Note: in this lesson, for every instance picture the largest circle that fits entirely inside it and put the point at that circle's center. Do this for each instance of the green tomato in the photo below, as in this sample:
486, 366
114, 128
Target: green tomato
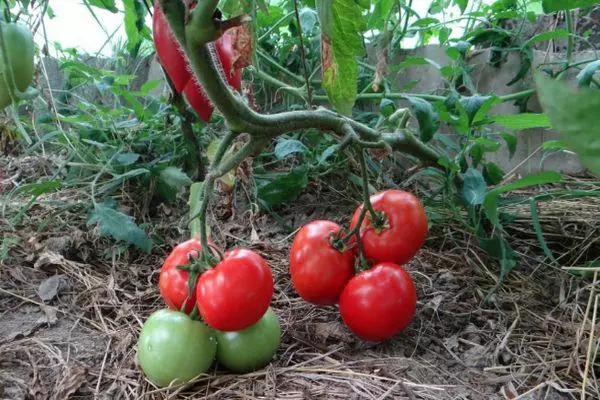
18, 43
251, 348
173, 348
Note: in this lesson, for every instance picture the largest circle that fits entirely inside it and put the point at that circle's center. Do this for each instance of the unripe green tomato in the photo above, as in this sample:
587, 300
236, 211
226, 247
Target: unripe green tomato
251, 348
18, 43
173, 348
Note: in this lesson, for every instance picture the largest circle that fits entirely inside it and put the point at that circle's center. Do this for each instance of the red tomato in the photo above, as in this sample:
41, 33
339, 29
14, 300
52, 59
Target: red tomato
319, 271
236, 292
176, 63
173, 282
378, 303
169, 53
404, 232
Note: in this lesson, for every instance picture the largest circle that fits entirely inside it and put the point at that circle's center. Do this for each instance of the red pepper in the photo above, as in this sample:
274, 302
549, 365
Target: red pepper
177, 66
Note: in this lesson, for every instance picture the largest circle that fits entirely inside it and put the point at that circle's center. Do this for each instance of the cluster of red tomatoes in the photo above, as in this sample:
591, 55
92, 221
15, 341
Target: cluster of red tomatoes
177, 66
379, 301
239, 329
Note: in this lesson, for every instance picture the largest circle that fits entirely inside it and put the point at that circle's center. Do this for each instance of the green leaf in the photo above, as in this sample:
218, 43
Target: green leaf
284, 188
522, 121
342, 25
429, 120
126, 158
381, 11
490, 202
119, 226
462, 5
574, 114
387, 107
537, 226
474, 187
545, 36
554, 145
174, 178
104, 4
498, 248
586, 74
285, 147
229, 178
492, 173
511, 143
134, 23
37, 189
558, 5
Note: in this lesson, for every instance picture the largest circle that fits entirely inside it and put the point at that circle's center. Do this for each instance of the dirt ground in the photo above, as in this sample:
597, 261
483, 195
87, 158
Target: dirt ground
72, 304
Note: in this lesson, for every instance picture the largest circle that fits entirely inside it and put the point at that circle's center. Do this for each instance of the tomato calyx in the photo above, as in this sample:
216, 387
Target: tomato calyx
379, 221
339, 241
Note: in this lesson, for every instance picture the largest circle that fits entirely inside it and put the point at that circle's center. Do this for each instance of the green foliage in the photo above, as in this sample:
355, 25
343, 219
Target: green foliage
119, 226
574, 113
558, 5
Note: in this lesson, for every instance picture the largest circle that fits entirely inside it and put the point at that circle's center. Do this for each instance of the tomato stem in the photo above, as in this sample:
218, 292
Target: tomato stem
376, 218
195, 314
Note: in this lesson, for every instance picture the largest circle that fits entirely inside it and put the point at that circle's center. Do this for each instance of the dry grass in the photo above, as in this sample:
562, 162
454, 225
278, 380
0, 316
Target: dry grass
535, 338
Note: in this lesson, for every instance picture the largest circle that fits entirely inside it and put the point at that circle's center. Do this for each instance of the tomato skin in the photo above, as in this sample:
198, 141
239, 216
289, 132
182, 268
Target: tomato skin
319, 272
176, 64
379, 302
251, 348
173, 282
407, 229
173, 347
169, 53
20, 50
236, 292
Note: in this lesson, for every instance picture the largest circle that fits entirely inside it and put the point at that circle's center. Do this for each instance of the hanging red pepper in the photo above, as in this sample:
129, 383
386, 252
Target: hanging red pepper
175, 62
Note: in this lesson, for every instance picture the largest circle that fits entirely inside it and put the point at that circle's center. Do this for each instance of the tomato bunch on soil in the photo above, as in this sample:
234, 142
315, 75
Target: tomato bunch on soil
216, 311
380, 300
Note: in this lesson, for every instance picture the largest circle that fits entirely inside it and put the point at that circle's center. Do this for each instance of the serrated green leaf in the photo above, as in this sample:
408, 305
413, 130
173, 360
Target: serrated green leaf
490, 203
558, 5
342, 25
174, 178
120, 226
429, 120
574, 114
474, 187
126, 158
554, 145
134, 22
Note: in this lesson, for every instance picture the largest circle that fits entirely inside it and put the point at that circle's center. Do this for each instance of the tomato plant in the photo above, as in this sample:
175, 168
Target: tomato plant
319, 271
403, 229
19, 47
173, 282
379, 302
251, 348
236, 292
172, 348
176, 64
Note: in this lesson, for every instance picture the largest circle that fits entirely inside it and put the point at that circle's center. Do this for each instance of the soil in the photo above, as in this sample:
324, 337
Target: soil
72, 304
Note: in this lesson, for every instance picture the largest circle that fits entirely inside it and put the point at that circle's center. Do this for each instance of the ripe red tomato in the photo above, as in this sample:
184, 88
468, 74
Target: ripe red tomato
404, 232
378, 303
173, 282
319, 271
236, 292
176, 63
